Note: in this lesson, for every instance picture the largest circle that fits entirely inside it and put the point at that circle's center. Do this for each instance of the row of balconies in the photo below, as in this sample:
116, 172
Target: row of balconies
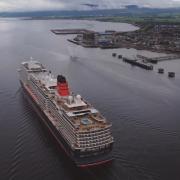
95, 140
63, 124
97, 148
94, 136
96, 133
67, 136
97, 144
66, 132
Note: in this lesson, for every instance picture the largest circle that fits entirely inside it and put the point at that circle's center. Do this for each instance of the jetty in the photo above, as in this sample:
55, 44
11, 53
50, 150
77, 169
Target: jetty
73, 41
139, 63
70, 31
155, 60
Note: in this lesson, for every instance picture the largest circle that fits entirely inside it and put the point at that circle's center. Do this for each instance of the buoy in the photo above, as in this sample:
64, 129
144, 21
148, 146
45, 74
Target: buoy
171, 74
120, 56
161, 71
114, 54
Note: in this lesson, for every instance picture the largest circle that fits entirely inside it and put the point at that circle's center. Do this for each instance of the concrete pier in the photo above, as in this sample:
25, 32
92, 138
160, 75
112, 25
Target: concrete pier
138, 63
69, 31
155, 60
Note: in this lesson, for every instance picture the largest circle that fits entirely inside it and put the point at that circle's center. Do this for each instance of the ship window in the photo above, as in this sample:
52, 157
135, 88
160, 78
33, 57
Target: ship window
52, 87
79, 112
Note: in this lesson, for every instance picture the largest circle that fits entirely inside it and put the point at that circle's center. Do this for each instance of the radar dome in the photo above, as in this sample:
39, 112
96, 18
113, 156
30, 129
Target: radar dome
78, 96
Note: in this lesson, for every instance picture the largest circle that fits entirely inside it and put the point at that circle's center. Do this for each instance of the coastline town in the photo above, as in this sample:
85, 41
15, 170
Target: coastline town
157, 38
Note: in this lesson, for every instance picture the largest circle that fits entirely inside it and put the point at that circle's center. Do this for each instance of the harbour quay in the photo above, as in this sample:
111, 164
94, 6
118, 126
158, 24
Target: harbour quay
88, 38
139, 63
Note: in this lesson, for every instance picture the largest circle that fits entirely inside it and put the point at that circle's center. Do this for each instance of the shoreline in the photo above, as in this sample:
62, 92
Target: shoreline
142, 28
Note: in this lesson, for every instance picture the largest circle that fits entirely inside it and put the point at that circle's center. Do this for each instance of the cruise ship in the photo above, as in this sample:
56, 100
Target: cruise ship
80, 130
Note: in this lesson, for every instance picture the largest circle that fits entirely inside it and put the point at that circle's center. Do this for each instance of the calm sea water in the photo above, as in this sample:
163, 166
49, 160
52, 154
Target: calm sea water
143, 106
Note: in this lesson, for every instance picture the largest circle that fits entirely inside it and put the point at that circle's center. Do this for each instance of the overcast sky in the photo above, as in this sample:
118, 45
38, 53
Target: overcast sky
24, 5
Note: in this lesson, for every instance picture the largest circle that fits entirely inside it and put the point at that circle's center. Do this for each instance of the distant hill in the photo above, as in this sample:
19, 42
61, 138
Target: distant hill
132, 7
129, 10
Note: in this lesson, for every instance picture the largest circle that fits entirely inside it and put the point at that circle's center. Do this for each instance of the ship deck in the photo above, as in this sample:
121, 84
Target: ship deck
83, 116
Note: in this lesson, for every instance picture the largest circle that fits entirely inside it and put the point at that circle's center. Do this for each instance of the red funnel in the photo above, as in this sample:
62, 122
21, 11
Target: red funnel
62, 86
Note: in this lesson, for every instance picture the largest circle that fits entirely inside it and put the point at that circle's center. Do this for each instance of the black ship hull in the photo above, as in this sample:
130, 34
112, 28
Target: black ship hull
80, 159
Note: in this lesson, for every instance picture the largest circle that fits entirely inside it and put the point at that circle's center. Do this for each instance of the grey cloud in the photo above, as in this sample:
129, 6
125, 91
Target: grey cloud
23, 5
118, 3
